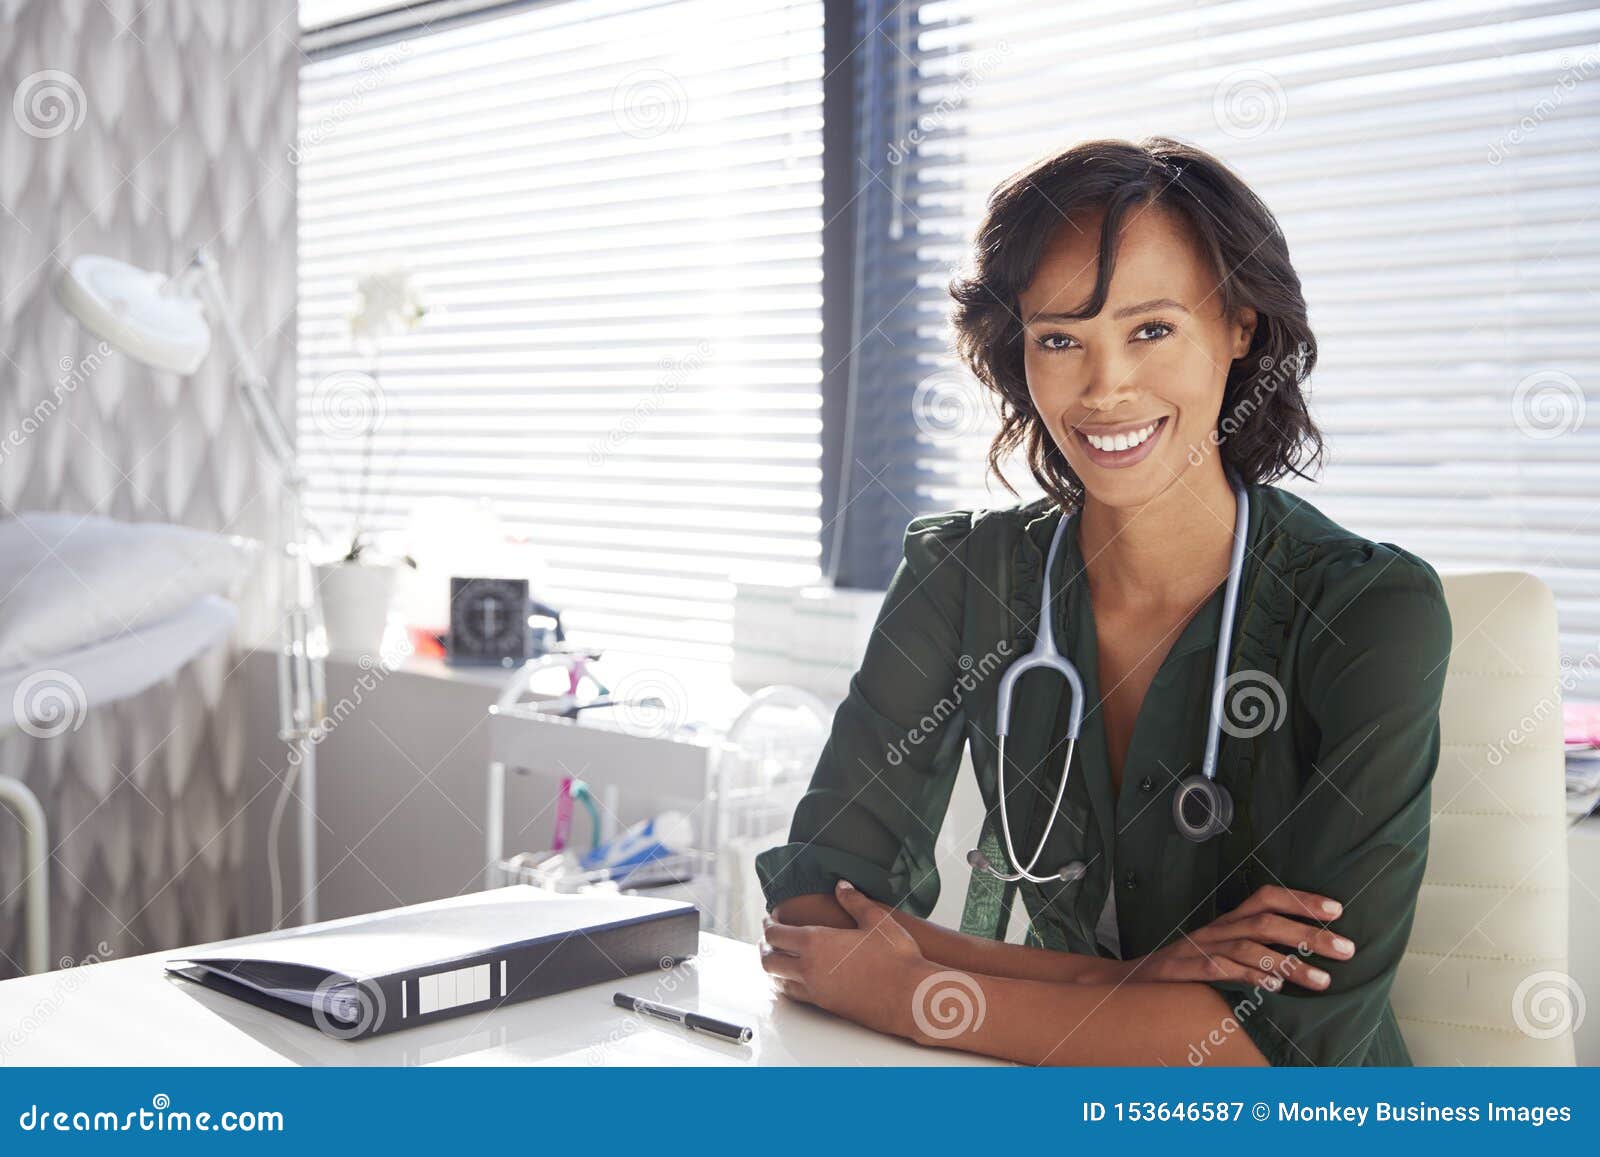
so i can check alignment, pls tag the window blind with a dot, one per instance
(611, 209)
(1433, 167)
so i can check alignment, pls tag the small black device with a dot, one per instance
(489, 623)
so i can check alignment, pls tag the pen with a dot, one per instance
(694, 1021)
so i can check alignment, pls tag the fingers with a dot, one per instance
(1242, 959)
(782, 965)
(1288, 901)
(1306, 939)
(1272, 969)
(864, 910)
(1298, 970)
(794, 990)
(1213, 964)
(791, 938)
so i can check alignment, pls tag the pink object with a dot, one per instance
(563, 816)
(1581, 722)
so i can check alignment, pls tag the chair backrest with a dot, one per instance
(1484, 979)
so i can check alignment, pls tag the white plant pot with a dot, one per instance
(355, 605)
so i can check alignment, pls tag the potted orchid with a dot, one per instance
(357, 585)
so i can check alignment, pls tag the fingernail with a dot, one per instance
(1317, 977)
(1332, 907)
(846, 886)
(1342, 946)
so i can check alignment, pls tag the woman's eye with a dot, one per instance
(1049, 340)
(1160, 325)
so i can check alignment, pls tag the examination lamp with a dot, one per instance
(163, 322)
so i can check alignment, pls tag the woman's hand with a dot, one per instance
(1236, 946)
(866, 974)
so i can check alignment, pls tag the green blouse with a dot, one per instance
(1336, 676)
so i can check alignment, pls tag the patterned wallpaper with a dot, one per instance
(141, 129)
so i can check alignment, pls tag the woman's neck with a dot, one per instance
(1172, 550)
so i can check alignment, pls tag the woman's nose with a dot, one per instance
(1109, 386)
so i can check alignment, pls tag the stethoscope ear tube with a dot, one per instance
(1201, 807)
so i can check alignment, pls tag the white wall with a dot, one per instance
(141, 130)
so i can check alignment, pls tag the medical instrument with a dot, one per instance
(693, 1021)
(1201, 807)
(574, 790)
(660, 837)
(166, 322)
(736, 764)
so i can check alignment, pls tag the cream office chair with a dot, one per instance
(1484, 979)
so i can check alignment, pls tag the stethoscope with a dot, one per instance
(1201, 807)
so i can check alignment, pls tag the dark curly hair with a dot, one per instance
(1266, 431)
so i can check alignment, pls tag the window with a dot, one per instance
(1433, 167)
(612, 210)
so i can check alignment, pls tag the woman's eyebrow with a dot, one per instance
(1148, 306)
(1126, 311)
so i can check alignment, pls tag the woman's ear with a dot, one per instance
(1244, 331)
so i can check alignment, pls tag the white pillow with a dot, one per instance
(69, 581)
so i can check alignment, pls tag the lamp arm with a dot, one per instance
(252, 383)
(302, 686)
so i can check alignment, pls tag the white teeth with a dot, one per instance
(1122, 441)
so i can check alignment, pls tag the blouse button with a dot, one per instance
(1146, 784)
(1130, 880)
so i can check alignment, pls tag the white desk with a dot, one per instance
(129, 1012)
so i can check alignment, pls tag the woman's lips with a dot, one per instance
(1118, 459)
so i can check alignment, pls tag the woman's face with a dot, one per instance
(1131, 395)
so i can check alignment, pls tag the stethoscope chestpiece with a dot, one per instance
(1201, 808)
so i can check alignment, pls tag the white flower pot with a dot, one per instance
(355, 605)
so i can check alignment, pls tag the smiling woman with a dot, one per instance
(1205, 273)
(1134, 309)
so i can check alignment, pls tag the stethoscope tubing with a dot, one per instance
(1045, 653)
